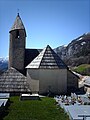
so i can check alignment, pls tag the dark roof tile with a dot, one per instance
(18, 24)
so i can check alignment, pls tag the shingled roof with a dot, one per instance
(31, 54)
(18, 24)
(13, 81)
(47, 59)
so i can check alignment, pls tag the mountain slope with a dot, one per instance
(3, 64)
(77, 52)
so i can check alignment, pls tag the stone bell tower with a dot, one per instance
(17, 45)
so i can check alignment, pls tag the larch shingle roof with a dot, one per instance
(18, 24)
(47, 59)
(13, 81)
(31, 54)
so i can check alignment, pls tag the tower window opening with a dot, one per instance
(17, 34)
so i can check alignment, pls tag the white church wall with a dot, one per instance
(33, 80)
(45, 80)
(54, 80)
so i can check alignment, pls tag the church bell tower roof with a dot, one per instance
(18, 24)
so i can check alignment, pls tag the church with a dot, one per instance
(34, 70)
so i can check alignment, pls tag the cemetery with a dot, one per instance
(73, 107)
(76, 106)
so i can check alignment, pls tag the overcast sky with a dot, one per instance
(53, 22)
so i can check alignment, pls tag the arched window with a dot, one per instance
(17, 34)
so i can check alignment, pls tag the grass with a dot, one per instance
(83, 69)
(44, 109)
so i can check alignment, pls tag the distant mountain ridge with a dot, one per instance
(77, 52)
(3, 64)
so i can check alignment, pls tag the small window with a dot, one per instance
(17, 34)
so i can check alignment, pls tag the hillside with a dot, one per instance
(77, 52)
(83, 69)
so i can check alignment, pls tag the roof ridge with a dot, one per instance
(43, 54)
(11, 68)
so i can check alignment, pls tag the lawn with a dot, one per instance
(44, 109)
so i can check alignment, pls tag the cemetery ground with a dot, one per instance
(43, 109)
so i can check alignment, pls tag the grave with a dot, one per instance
(4, 95)
(77, 110)
(29, 97)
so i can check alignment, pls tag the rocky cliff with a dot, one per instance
(76, 52)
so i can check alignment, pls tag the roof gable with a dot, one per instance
(47, 59)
